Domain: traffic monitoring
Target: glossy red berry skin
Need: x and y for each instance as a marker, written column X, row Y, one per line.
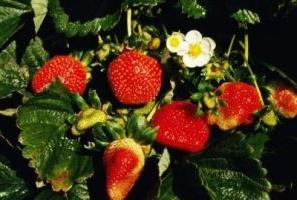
column 134, row 78
column 180, row 128
column 284, row 100
column 239, row 101
column 123, row 162
column 70, row 72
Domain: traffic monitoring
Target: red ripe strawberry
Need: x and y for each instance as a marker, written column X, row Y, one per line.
column 71, row 73
column 284, row 100
column 240, row 101
column 180, row 128
column 134, row 78
column 123, row 161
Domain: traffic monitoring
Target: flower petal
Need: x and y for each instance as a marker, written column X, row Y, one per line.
column 193, row 36
column 174, row 41
column 205, row 46
column 189, row 61
column 196, row 62
column 202, row 60
column 183, row 48
column 211, row 42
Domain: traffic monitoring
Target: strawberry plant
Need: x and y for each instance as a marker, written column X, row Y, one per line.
column 147, row 99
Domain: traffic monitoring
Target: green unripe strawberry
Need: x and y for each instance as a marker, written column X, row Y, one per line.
column 269, row 118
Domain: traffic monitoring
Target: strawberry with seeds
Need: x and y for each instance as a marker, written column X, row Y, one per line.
column 70, row 72
column 123, row 161
column 180, row 128
column 134, row 78
column 284, row 100
column 239, row 102
column 124, row 152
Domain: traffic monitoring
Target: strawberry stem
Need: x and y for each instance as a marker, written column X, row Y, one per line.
column 246, row 64
column 139, row 30
column 129, row 24
column 154, row 109
column 94, row 99
column 230, row 46
column 81, row 103
column 87, row 58
column 246, row 50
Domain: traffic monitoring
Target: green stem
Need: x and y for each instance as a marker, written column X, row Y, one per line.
column 151, row 114
column 139, row 30
column 230, row 45
column 246, row 49
column 129, row 24
column 81, row 103
column 246, row 64
column 87, row 58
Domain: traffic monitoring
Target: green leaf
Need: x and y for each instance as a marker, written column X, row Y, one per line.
column 35, row 55
column 230, row 145
column 40, row 11
column 224, row 179
column 146, row 109
column 56, row 158
column 237, row 145
column 166, row 191
column 12, row 187
column 192, row 9
column 257, row 142
column 12, row 77
column 77, row 192
column 107, row 132
column 229, row 168
column 11, row 18
column 134, row 3
column 94, row 99
column 245, row 17
column 139, row 129
column 71, row 29
column 164, row 162
column 170, row 94
column 221, row 179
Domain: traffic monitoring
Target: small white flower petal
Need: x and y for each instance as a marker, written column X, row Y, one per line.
column 193, row 36
column 205, row 46
column 189, row 61
column 202, row 60
column 183, row 48
column 211, row 42
column 196, row 62
column 174, row 41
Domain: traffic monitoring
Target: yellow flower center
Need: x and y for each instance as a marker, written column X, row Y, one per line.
column 174, row 41
column 194, row 50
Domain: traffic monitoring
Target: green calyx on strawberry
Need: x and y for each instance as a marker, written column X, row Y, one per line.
column 72, row 73
column 89, row 115
column 124, row 154
column 87, row 119
column 269, row 118
column 123, row 162
column 134, row 78
column 180, row 128
column 239, row 102
column 137, row 127
column 283, row 99
column 216, row 70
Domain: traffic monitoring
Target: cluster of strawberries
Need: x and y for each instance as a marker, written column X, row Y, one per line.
column 135, row 79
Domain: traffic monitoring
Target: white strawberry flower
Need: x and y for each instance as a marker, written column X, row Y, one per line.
column 196, row 50
column 174, row 42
